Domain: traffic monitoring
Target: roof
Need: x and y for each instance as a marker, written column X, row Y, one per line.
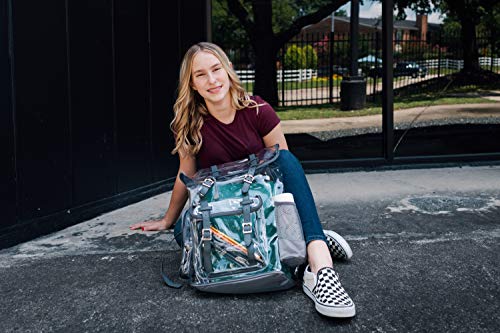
column 377, row 23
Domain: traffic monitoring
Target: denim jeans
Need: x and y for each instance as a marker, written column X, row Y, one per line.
column 295, row 182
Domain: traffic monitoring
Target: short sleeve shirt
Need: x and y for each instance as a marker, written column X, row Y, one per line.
column 235, row 141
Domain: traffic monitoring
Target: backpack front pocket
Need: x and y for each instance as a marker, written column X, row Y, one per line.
column 236, row 246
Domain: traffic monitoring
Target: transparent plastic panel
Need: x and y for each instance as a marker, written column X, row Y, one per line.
column 229, row 254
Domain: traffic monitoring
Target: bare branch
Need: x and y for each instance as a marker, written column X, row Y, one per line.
column 242, row 15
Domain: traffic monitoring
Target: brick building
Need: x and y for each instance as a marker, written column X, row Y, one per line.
column 403, row 30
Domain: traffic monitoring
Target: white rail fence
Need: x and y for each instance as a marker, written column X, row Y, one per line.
column 457, row 64
column 298, row 75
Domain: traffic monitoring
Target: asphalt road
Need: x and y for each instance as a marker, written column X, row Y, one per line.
column 426, row 259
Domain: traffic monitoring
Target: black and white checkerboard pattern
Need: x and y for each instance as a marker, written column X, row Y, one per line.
column 336, row 250
column 329, row 291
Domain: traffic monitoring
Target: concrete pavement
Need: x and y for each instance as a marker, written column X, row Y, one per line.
column 426, row 259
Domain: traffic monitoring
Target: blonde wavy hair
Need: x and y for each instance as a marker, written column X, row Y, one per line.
column 190, row 107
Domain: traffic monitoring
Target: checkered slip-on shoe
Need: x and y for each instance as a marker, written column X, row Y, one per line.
column 327, row 293
column 339, row 249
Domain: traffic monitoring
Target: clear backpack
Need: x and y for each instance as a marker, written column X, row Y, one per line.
column 241, row 233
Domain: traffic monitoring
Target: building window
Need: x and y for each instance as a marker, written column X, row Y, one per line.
column 399, row 34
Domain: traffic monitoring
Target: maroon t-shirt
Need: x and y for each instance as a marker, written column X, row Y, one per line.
column 235, row 141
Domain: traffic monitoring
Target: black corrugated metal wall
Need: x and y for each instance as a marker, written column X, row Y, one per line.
column 87, row 89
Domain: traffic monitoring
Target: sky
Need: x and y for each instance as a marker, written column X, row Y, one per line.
column 374, row 9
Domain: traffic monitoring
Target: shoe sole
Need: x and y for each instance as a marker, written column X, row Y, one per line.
column 342, row 242
column 329, row 311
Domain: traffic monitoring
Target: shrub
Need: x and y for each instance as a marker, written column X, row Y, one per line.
column 301, row 57
column 310, row 55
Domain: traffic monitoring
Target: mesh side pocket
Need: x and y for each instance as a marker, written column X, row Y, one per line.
column 292, row 246
column 186, row 268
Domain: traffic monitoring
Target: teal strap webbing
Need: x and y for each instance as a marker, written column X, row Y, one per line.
column 245, row 203
column 248, row 178
column 206, row 236
column 247, row 229
column 214, row 170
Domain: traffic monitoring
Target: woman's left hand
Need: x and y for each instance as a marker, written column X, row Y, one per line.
column 151, row 225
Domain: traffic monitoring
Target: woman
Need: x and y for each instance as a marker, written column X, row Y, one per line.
column 217, row 122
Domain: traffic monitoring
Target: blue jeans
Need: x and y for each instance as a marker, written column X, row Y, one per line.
column 295, row 182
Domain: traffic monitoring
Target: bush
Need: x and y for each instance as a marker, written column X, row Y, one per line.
column 310, row 55
column 301, row 57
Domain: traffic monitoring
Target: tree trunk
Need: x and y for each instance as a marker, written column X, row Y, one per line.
column 266, row 43
column 265, row 71
column 263, row 41
column 471, row 55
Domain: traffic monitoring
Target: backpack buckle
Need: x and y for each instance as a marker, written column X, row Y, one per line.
column 208, row 182
column 248, row 178
column 206, row 234
column 206, row 186
column 247, row 227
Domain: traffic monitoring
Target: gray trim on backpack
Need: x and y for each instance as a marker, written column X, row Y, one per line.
column 265, row 282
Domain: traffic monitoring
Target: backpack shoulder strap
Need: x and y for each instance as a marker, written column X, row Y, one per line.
column 206, row 236
column 167, row 280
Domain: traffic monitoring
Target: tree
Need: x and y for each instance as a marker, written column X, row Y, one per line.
column 340, row 13
column 227, row 30
column 266, row 38
column 469, row 14
column 491, row 25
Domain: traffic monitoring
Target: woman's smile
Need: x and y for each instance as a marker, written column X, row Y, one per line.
column 215, row 90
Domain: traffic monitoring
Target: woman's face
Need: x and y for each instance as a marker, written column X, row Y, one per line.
column 210, row 78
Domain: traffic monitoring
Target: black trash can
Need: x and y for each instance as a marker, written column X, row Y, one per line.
column 352, row 93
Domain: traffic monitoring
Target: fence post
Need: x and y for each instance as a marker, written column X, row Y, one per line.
column 283, row 75
column 492, row 49
column 375, row 76
column 330, row 68
column 387, row 80
column 440, row 43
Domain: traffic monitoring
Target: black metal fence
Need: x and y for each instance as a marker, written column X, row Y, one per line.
column 311, row 67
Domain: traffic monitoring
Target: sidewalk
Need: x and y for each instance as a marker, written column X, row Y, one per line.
column 432, row 115
column 426, row 259
column 435, row 115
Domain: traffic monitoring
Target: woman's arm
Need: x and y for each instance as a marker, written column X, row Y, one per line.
column 276, row 136
column 178, row 199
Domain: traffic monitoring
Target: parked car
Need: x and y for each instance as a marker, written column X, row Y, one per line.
column 339, row 70
column 409, row 68
column 336, row 69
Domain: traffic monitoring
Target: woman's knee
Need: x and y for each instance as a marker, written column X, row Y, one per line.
column 287, row 160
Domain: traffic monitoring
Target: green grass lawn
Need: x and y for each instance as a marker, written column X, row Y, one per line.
column 400, row 103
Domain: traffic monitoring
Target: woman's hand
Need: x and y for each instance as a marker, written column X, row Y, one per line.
column 187, row 164
column 151, row 225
